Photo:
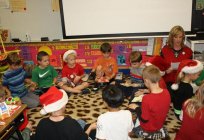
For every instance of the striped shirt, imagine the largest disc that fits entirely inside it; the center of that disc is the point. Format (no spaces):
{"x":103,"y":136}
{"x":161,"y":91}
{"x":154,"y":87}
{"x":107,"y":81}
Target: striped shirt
{"x":14,"y":80}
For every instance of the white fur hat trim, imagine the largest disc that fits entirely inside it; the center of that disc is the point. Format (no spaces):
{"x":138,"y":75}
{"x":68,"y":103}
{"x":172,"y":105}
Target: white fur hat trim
{"x":68,"y":53}
{"x":193,"y":69}
{"x":56,"y":105}
{"x":174,"y":86}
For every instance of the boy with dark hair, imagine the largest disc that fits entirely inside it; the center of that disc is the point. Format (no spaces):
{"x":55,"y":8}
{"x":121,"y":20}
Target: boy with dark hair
{"x":105,"y":66}
{"x":105,"y":47}
{"x":44,"y":75}
{"x":154,"y":108}
{"x":114,"y":124}
{"x":14,"y":79}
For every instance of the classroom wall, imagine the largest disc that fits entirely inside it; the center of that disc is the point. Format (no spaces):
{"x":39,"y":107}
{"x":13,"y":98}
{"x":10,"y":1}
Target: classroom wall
{"x":37,"y":21}
{"x":87,"y":51}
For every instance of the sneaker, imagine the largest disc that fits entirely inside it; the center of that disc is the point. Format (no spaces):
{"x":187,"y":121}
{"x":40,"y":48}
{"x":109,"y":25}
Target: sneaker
{"x":86,"y":91}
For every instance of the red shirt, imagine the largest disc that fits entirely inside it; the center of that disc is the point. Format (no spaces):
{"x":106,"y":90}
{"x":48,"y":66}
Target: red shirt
{"x":77,"y":70}
{"x":162,"y":83}
{"x":169,"y":57}
{"x":154,"y":109}
{"x":191,"y":128}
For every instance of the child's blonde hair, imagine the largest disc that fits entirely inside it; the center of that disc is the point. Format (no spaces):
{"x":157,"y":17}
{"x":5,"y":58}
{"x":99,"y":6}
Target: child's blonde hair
{"x":72,"y":54}
{"x":196,"y":103}
{"x":174,"y":32}
{"x":151,"y":73}
{"x":135,"y":56}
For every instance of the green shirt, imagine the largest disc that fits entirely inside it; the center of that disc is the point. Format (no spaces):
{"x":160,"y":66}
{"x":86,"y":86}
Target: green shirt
{"x":200,"y":79}
{"x":44,"y":77}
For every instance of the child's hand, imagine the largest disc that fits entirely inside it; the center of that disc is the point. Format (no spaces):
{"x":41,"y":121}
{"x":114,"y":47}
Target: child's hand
{"x":132,"y":106}
{"x":33,"y":86}
{"x":169,"y":70}
{"x":141,"y":92}
{"x":29,"y":126}
{"x":60,"y":84}
{"x":76,"y":79}
{"x":93,"y":126}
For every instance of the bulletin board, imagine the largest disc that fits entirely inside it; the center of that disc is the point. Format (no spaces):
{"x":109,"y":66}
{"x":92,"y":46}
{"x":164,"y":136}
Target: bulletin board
{"x":87,"y":52}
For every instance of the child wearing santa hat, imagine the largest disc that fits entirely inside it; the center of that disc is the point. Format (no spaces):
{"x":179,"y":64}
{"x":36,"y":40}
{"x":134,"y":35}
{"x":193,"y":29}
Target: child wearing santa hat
{"x":182,"y":90}
{"x":72,"y":73}
{"x":57,"y":126}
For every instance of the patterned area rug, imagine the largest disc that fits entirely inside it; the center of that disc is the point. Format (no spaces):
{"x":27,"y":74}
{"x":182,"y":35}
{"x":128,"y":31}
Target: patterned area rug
{"x":89,"y":106}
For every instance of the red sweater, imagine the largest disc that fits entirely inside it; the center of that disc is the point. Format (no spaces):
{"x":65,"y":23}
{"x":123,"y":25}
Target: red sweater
{"x":77,"y":70}
{"x":169,"y":57}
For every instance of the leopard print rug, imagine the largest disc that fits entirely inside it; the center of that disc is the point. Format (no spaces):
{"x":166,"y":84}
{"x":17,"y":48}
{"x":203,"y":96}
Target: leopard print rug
{"x":89,"y":106}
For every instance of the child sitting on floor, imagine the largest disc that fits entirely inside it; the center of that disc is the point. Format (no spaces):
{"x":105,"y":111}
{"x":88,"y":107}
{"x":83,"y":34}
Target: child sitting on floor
{"x":14,"y":79}
{"x":135,"y":81}
{"x":159,"y":62}
{"x":105,"y":67}
{"x":152,"y":113}
{"x":114,"y":124}
{"x":44,"y":75}
{"x":58,"y":125}
{"x":182,"y":90}
{"x":136,"y":66}
{"x":72,"y":73}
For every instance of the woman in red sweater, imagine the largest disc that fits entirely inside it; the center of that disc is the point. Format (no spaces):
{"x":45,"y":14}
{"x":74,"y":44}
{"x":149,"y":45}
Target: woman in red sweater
{"x":174,"y":52}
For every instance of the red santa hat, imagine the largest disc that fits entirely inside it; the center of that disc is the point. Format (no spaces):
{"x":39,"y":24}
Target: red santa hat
{"x":159,"y":62}
{"x":53,"y":100}
{"x":68,"y":53}
{"x":189,"y":67}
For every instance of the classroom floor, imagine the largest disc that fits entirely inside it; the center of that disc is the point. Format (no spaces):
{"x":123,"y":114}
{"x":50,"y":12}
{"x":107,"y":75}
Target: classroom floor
{"x":88,"y":107}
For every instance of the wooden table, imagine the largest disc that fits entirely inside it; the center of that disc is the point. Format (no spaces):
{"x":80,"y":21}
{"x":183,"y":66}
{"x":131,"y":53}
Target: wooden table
{"x":12,"y":123}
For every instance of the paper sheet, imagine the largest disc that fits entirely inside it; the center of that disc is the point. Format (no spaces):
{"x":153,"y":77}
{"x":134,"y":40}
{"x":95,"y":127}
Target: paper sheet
{"x":175,"y":65}
{"x":18,"y":5}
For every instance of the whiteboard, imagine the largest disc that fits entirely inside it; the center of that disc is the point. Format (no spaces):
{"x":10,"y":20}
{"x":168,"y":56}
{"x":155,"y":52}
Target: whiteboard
{"x":103,"y":18}
{"x":37,"y":21}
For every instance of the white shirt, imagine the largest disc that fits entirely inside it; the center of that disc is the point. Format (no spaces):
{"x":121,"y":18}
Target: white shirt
{"x":114,"y":125}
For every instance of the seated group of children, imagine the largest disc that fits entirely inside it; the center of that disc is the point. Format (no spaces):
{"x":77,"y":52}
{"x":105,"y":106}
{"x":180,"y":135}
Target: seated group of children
{"x":115,"y":124}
